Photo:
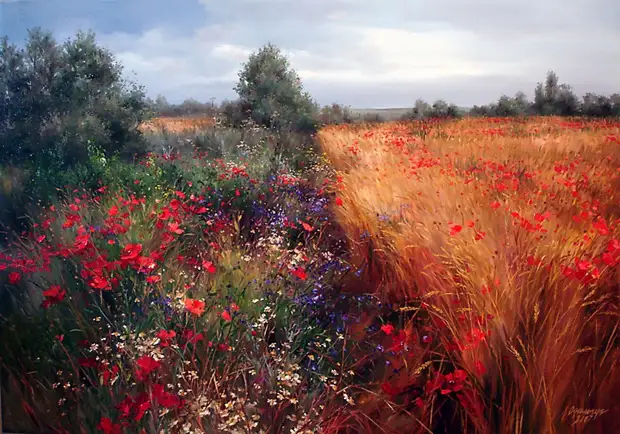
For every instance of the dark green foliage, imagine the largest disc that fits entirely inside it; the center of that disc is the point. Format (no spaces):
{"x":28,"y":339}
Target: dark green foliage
{"x":335,"y":114}
{"x":58,"y":97}
{"x":272,"y":92}
{"x":552,"y":98}
{"x":439,"y":109}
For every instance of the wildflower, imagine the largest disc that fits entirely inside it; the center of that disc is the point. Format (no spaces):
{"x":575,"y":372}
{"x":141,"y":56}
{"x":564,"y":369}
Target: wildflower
{"x":195,"y":307}
{"x":300,"y":273}
{"x":454,"y":381}
{"x":146,"y":365}
{"x":226,"y":316}
{"x":131,"y":252}
{"x":165,"y":336}
{"x":208,"y":265}
{"x":390,"y":389}
{"x":174,"y":228}
{"x":53,"y":295}
{"x":166,"y":399}
{"x":108,"y":427}
{"x":455,"y":229}
{"x":14,"y":278}
{"x":339,"y":201}
{"x":387,"y":329}
{"x":153,"y":279}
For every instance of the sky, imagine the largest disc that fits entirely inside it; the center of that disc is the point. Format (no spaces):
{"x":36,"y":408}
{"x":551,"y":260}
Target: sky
{"x":361,"y":53}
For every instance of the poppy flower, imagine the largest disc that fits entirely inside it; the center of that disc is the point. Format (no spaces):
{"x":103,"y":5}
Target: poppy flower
{"x":14,"y":278}
{"x":53,"y":295}
{"x":146,"y":365}
{"x":300,"y":273}
{"x":226,"y":316}
{"x":153,"y":279}
{"x":174,"y":228}
{"x":195,"y":307}
{"x":165,"y":399}
{"x":455,"y":229}
{"x":390,"y":389}
{"x":339,"y":201}
{"x":208,"y":266}
{"x":387,"y":329}
{"x":131,"y":252}
{"x":454,"y":382}
{"x":108,"y":427}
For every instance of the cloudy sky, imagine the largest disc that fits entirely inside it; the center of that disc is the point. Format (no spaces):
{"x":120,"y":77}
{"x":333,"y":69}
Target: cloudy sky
{"x":363,"y":53}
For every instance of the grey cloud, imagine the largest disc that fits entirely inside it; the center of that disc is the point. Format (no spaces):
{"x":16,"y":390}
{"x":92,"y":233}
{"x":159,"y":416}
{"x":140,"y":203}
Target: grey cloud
{"x":502,"y":46}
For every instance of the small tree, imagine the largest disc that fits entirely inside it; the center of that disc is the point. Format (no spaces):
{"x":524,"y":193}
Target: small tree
{"x":274,"y":93}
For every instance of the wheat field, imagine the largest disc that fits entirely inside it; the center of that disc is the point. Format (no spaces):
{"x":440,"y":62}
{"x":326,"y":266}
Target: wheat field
{"x":507,"y":232}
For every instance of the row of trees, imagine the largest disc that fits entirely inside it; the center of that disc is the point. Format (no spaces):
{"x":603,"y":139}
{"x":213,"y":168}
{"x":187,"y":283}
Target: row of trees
{"x":552,"y":98}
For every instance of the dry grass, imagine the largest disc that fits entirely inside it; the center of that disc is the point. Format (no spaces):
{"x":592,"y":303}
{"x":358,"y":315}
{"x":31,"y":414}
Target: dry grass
{"x":178,"y":124}
{"x":510,"y":224}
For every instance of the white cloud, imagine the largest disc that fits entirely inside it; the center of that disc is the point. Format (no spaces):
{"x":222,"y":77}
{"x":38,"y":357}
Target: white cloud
{"x":406,"y":48}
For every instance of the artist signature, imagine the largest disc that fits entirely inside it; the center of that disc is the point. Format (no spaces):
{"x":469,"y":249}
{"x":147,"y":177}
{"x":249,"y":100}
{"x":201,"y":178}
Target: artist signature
{"x":581,"y":416}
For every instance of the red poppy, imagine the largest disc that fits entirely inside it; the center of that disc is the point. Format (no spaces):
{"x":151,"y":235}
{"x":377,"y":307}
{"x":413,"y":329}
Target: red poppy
{"x":339,"y":201}
{"x":390,"y":389}
{"x":53,"y":295}
{"x":195,"y":307}
{"x":131,"y":252}
{"x":153,"y":279}
{"x":387,"y":329}
{"x":454,"y":382}
{"x":208,"y":266}
{"x":166,"y":399}
{"x":455,"y":229}
{"x":98,"y":282}
{"x":14,"y":278}
{"x":108,"y":427}
{"x":174,"y":228}
{"x":226,"y":316}
{"x":300,"y":273}
{"x":146,"y":365}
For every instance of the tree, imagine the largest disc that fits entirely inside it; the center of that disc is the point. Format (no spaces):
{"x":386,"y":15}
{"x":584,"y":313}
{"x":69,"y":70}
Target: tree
{"x":554,"y":98}
{"x":274,"y":93}
{"x":59,"y":98}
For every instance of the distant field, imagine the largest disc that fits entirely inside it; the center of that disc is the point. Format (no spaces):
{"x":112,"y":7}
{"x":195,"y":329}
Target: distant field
{"x":387,"y":113}
{"x":178,"y":124}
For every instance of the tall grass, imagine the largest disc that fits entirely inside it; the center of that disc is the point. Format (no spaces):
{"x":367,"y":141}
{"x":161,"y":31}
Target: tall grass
{"x":506,"y":232}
